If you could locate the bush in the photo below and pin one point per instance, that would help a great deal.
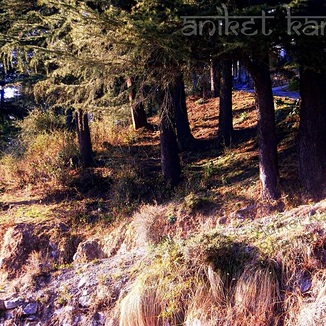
(110, 128)
(41, 153)
(40, 121)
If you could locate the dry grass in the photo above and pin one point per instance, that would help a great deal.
(142, 306)
(257, 276)
(150, 225)
(202, 299)
(256, 297)
(207, 304)
(310, 308)
(44, 162)
(108, 130)
(129, 161)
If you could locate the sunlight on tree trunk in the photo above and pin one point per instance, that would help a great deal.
(214, 78)
(267, 144)
(138, 114)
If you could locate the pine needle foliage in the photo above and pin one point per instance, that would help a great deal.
(83, 47)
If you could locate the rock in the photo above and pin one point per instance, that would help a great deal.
(305, 282)
(63, 227)
(18, 242)
(8, 315)
(54, 252)
(82, 282)
(222, 220)
(4, 206)
(31, 318)
(247, 212)
(30, 308)
(84, 301)
(13, 303)
(88, 251)
(312, 212)
(98, 319)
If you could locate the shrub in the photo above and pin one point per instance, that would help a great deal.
(41, 153)
(40, 121)
(45, 159)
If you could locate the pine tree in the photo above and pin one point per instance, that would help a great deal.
(309, 51)
(170, 162)
(268, 160)
(83, 48)
(225, 130)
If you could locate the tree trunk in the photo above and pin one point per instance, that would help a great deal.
(225, 118)
(138, 114)
(243, 77)
(214, 76)
(267, 144)
(311, 132)
(235, 70)
(84, 139)
(170, 162)
(184, 136)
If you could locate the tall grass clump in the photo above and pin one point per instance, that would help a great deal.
(110, 128)
(265, 272)
(204, 281)
(42, 152)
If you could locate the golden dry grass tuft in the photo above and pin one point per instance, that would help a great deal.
(308, 308)
(189, 283)
(150, 225)
(257, 294)
(45, 161)
(268, 272)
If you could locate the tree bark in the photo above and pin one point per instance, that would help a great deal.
(225, 131)
(84, 139)
(170, 162)
(138, 114)
(184, 136)
(215, 78)
(235, 70)
(267, 144)
(311, 131)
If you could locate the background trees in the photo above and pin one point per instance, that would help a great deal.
(92, 55)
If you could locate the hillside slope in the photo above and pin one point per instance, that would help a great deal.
(112, 245)
(148, 271)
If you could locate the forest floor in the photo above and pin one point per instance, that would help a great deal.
(129, 171)
(114, 238)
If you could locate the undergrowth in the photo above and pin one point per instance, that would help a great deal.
(224, 278)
